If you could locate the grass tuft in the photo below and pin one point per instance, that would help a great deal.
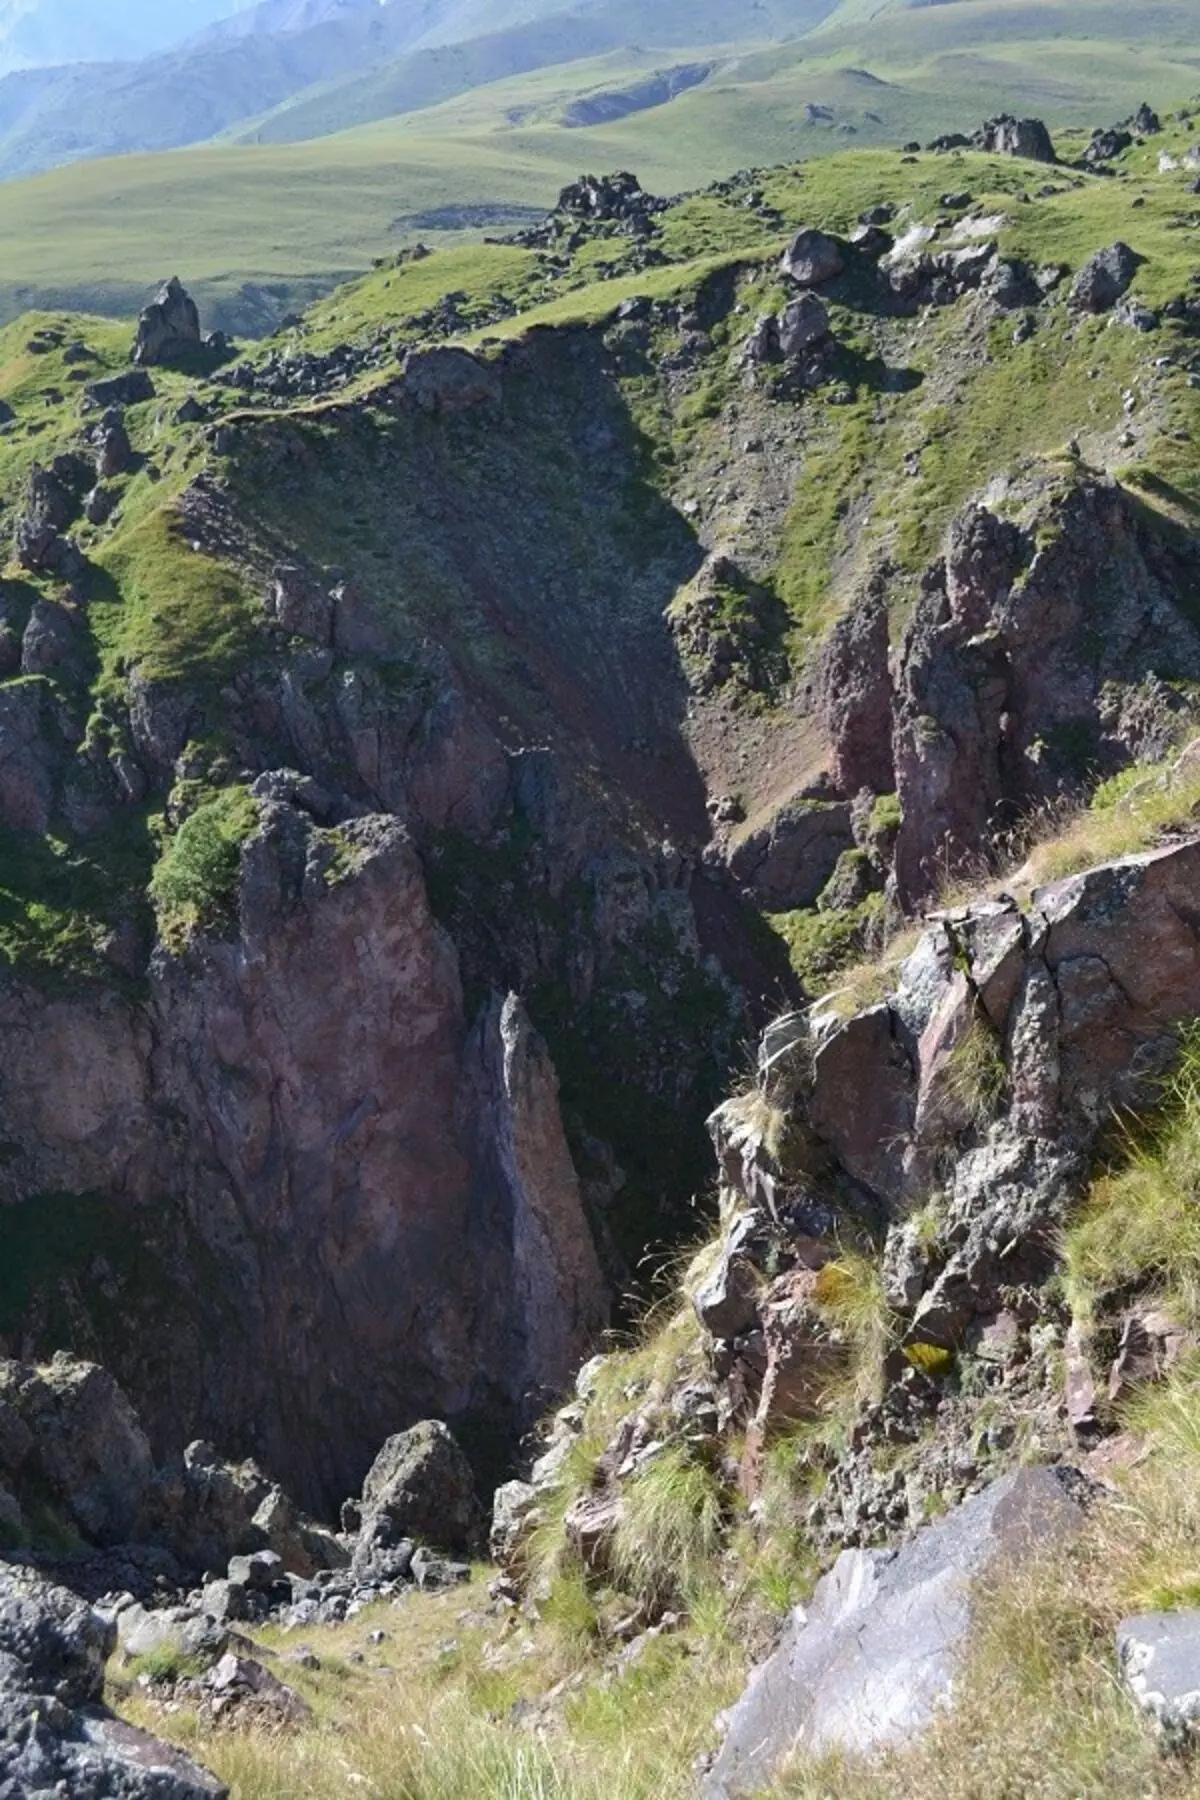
(1139, 1230)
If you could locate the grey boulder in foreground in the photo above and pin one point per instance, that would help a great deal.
(55, 1735)
(1159, 1654)
(873, 1657)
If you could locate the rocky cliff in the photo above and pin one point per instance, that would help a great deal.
(407, 727)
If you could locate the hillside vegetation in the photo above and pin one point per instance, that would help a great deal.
(438, 738)
(252, 220)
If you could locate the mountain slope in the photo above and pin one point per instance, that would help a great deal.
(45, 32)
(529, 621)
(197, 92)
(268, 226)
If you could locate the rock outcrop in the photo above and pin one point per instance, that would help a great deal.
(1006, 136)
(168, 328)
(56, 1736)
(874, 1657)
(1003, 136)
(1003, 700)
(77, 1466)
(368, 1168)
(1104, 278)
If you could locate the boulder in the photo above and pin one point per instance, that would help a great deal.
(812, 257)
(89, 1451)
(51, 640)
(241, 1685)
(802, 323)
(48, 508)
(209, 1510)
(875, 1655)
(99, 505)
(259, 1572)
(168, 328)
(55, 1734)
(110, 441)
(180, 1629)
(434, 1574)
(726, 1301)
(422, 1485)
(1106, 145)
(1159, 1658)
(127, 389)
(1006, 136)
(1104, 277)
(762, 344)
(448, 380)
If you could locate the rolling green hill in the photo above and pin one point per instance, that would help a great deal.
(256, 229)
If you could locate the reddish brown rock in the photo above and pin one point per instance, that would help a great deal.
(857, 698)
(392, 1236)
(1023, 669)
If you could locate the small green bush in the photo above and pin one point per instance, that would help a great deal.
(195, 884)
(167, 1663)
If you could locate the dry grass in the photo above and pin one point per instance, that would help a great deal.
(1039, 1712)
(759, 1119)
(1140, 1227)
(1128, 815)
(869, 982)
(976, 1075)
(429, 1714)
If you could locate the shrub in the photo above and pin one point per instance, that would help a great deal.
(194, 886)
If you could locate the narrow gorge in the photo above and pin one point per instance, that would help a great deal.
(708, 674)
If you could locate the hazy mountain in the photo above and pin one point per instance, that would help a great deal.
(37, 33)
(355, 63)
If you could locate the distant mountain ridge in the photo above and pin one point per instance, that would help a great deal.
(357, 60)
(43, 33)
(282, 72)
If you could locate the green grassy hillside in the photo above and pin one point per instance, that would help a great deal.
(258, 229)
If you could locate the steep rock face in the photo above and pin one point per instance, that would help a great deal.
(343, 1172)
(978, 1088)
(1081, 996)
(554, 1303)
(1021, 668)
